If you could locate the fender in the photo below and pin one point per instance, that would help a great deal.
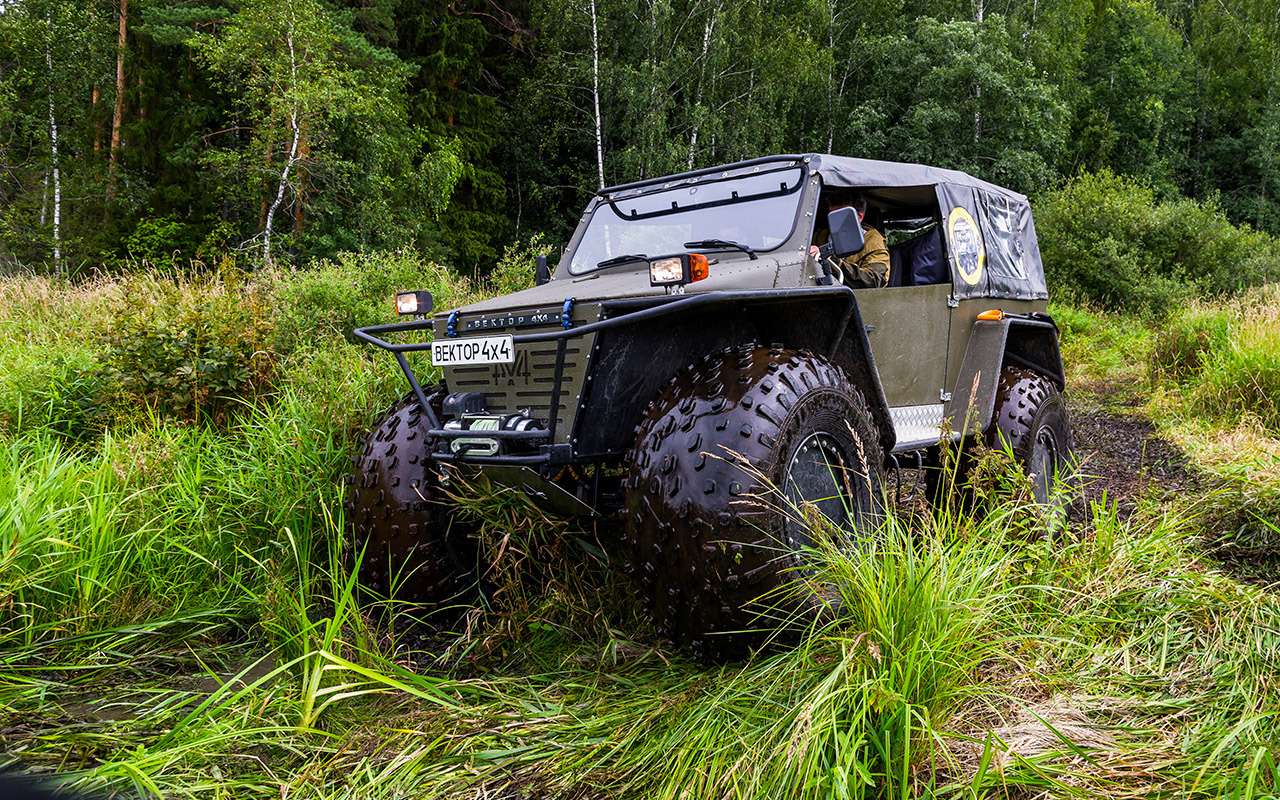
(1029, 341)
(631, 363)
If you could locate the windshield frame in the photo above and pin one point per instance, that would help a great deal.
(709, 176)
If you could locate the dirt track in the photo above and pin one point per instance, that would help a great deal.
(1124, 458)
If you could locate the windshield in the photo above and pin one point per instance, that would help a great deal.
(757, 210)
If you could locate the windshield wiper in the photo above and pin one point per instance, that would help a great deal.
(704, 243)
(618, 261)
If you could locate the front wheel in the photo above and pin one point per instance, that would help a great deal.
(411, 547)
(731, 466)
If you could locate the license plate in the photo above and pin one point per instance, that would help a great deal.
(473, 350)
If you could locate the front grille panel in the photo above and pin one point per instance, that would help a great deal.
(528, 384)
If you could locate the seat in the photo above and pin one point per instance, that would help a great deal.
(918, 261)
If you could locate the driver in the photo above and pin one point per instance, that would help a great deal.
(869, 267)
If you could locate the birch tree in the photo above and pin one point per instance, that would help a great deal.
(54, 165)
(595, 93)
(297, 68)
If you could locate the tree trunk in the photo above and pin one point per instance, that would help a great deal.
(979, 13)
(831, 76)
(595, 95)
(97, 119)
(53, 156)
(117, 116)
(697, 94)
(44, 199)
(293, 152)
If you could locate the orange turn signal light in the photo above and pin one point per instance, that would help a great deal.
(699, 267)
(992, 315)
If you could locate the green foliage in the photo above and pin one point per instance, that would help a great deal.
(516, 269)
(189, 349)
(1190, 336)
(455, 128)
(1134, 111)
(160, 242)
(975, 105)
(1107, 240)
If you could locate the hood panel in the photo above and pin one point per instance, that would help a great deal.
(610, 284)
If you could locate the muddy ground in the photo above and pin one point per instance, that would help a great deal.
(1122, 459)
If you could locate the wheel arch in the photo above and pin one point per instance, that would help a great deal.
(1029, 341)
(631, 364)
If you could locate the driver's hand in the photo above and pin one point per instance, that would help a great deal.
(813, 250)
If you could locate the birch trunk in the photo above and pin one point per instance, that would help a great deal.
(117, 116)
(53, 157)
(293, 151)
(595, 94)
(831, 77)
(94, 97)
(979, 13)
(697, 95)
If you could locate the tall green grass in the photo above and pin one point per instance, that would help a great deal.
(177, 619)
(966, 659)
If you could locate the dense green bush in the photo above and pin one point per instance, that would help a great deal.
(1227, 359)
(84, 357)
(188, 348)
(1191, 335)
(1109, 241)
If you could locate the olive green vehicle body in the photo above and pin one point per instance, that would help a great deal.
(926, 363)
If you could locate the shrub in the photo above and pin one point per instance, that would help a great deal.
(331, 298)
(160, 242)
(82, 357)
(1190, 336)
(189, 347)
(1242, 374)
(515, 270)
(1108, 241)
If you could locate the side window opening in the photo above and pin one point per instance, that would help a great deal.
(911, 222)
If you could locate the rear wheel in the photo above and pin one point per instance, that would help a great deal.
(1031, 417)
(729, 465)
(412, 549)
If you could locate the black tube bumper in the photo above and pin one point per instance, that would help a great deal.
(646, 308)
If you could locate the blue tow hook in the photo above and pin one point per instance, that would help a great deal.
(566, 314)
(451, 327)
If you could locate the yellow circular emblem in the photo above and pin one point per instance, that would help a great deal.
(967, 250)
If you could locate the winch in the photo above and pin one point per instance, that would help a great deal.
(483, 446)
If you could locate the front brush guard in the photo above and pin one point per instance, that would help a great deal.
(549, 452)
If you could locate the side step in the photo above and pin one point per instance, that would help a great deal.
(918, 427)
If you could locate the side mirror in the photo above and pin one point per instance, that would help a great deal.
(846, 232)
(542, 272)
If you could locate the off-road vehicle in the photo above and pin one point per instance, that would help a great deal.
(691, 371)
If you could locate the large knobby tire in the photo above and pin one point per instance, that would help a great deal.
(1031, 419)
(412, 549)
(708, 537)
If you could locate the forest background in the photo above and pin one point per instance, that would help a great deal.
(169, 132)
